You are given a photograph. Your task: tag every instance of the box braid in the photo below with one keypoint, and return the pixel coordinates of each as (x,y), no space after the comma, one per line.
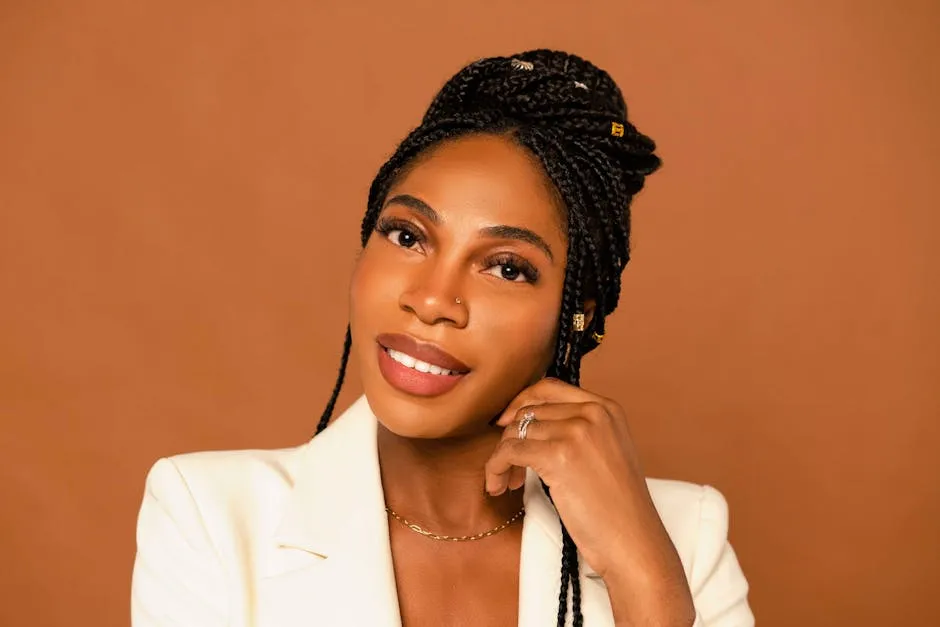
(572,116)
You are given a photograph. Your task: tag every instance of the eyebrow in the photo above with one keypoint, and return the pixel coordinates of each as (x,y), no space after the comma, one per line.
(417,205)
(500,231)
(503,231)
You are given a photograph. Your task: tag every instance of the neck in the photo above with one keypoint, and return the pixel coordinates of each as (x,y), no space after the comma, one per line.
(438,484)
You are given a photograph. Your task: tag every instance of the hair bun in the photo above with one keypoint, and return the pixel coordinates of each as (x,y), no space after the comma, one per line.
(545,89)
(532,86)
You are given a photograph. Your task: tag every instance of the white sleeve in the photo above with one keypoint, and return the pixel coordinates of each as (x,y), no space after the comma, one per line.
(177,579)
(719,588)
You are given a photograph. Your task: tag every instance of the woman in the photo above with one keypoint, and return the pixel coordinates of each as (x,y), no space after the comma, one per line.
(475,483)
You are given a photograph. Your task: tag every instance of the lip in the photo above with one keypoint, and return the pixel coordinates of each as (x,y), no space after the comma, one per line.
(423,351)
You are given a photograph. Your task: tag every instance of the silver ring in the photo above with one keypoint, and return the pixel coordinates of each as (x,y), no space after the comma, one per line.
(527,418)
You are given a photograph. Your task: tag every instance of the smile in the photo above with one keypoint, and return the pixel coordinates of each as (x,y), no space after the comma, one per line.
(416,364)
(418,368)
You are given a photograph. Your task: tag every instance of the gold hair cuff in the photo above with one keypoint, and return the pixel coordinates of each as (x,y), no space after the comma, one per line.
(577,322)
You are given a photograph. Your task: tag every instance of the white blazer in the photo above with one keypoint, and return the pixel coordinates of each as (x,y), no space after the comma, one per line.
(293,537)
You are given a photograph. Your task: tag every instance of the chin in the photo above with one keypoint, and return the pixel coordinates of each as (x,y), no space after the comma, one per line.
(417,417)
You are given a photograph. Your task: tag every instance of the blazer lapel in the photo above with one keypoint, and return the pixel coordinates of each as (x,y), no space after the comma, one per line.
(331,561)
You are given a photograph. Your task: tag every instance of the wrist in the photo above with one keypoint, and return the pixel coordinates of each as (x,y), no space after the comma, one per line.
(650,597)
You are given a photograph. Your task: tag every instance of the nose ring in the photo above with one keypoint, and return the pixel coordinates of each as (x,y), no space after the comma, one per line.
(458,301)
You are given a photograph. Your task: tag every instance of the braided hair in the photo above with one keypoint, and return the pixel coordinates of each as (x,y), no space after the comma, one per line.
(572,116)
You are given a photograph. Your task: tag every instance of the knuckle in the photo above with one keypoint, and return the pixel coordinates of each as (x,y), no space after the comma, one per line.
(499,457)
(563,453)
(596,410)
(580,430)
(508,446)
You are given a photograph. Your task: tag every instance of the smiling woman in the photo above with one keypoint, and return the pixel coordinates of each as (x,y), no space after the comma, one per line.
(475,221)
(493,244)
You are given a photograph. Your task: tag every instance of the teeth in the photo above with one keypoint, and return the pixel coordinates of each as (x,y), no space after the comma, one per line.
(402,358)
(417,364)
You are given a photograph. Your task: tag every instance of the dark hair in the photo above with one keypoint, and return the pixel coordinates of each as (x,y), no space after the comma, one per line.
(572,116)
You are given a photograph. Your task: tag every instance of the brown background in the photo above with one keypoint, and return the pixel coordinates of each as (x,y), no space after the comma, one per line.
(180,190)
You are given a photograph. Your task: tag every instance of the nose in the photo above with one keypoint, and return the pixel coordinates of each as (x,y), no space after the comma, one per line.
(435,300)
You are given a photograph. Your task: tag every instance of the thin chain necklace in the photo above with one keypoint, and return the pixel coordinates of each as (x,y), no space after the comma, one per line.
(436,536)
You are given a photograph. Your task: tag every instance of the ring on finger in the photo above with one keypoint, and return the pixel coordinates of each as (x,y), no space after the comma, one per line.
(527,418)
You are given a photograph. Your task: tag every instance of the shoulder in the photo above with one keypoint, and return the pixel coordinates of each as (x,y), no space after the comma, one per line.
(218,485)
(222,469)
(190,532)
(238,497)
(685,507)
(225,503)
(203,515)
(696,517)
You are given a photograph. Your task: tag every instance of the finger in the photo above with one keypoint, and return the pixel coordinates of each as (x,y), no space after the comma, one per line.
(517,475)
(550,390)
(556,410)
(552,412)
(539,393)
(514,452)
(557,425)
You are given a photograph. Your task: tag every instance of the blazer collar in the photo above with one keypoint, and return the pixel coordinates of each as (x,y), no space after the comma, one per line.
(337,488)
(335,518)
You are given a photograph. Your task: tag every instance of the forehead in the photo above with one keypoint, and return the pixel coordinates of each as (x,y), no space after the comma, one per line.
(487,179)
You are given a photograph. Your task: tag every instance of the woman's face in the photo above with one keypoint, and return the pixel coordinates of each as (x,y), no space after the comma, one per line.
(464,273)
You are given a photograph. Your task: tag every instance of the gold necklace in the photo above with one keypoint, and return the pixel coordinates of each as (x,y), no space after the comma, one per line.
(436,536)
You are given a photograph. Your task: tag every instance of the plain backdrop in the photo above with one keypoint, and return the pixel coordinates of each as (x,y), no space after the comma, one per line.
(181,185)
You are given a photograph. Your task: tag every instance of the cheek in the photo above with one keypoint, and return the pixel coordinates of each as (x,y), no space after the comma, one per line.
(523,333)
(372,288)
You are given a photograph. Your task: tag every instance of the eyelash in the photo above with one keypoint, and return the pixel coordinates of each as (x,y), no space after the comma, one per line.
(525,268)
(387,226)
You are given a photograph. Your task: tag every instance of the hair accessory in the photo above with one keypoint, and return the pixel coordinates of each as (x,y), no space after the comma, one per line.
(519,64)
(581,85)
(597,337)
(616,129)
(527,418)
(436,536)
(577,322)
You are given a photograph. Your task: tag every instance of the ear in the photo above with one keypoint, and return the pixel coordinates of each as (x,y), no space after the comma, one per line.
(589,306)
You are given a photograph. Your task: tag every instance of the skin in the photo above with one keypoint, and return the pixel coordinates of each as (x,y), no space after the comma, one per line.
(453,463)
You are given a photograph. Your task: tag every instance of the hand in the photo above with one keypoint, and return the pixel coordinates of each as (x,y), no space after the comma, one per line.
(580,446)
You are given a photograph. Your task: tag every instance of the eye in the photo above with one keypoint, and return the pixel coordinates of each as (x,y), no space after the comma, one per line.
(510,272)
(513,269)
(400,233)
(402,238)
